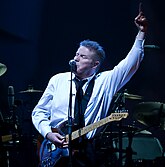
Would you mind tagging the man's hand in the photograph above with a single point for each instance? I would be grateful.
(141, 22)
(57, 139)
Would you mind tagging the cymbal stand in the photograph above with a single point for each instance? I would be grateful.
(129, 151)
(119, 106)
(13, 124)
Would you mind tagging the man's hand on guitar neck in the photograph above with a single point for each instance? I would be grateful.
(57, 139)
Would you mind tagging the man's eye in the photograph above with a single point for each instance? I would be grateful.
(82, 56)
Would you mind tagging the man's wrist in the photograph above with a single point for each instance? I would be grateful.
(48, 135)
(140, 35)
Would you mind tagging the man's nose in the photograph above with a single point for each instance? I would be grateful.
(76, 58)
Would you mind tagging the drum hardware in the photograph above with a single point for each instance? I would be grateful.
(129, 132)
(3, 69)
(119, 106)
(13, 142)
(12, 120)
(150, 114)
(139, 147)
(136, 142)
(6, 129)
(129, 150)
(30, 92)
(110, 144)
(29, 97)
(129, 128)
(7, 138)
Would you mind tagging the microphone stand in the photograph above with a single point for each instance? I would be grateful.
(14, 123)
(70, 119)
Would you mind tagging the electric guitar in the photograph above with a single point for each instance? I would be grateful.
(50, 154)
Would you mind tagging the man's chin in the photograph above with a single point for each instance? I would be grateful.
(79, 75)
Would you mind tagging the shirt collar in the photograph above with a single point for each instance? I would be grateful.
(89, 78)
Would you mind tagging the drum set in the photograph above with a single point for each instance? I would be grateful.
(127, 145)
(18, 137)
(132, 146)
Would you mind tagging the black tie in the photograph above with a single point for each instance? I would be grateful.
(79, 110)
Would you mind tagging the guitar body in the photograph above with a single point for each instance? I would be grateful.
(49, 155)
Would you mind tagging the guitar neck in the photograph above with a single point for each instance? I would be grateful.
(82, 131)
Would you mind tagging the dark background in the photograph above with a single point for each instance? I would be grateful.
(38, 38)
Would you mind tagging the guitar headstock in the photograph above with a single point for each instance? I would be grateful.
(118, 116)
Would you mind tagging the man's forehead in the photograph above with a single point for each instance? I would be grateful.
(84, 50)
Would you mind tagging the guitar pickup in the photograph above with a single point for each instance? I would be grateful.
(51, 147)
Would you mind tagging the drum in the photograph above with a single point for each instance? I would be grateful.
(145, 148)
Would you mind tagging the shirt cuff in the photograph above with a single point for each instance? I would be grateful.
(140, 35)
(45, 131)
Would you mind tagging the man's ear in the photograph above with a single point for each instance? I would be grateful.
(96, 64)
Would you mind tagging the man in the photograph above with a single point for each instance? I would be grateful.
(52, 109)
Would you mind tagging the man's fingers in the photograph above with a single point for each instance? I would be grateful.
(140, 7)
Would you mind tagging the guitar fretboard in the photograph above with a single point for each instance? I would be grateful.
(88, 128)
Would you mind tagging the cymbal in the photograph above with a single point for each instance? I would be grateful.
(131, 96)
(31, 91)
(3, 69)
(150, 114)
(128, 128)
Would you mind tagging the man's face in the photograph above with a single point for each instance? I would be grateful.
(85, 61)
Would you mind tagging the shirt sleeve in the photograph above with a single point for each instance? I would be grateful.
(41, 112)
(126, 68)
